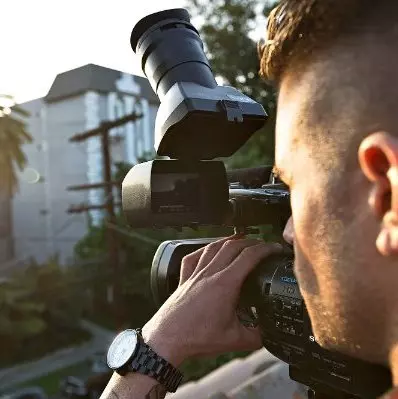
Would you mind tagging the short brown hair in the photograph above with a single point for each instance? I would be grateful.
(299, 28)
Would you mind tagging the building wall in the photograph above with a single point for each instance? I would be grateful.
(42, 226)
(67, 167)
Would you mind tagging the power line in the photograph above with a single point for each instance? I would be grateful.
(103, 131)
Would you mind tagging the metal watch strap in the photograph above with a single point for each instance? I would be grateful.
(148, 362)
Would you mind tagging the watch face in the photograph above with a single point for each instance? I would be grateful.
(122, 349)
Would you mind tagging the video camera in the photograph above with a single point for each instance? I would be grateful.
(197, 122)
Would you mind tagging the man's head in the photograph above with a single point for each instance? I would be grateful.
(336, 66)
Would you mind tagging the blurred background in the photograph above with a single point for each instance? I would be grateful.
(72, 273)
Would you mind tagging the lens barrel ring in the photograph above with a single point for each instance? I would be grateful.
(147, 22)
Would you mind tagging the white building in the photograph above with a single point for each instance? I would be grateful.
(78, 100)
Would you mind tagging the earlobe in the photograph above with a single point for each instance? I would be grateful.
(378, 158)
(387, 241)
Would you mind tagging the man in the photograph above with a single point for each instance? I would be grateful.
(336, 66)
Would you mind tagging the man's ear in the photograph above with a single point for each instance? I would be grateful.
(378, 157)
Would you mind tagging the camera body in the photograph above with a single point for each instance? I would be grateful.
(271, 299)
(197, 122)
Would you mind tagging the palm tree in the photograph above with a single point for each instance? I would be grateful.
(13, 135)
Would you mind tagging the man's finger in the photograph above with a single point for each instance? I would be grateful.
(250, 339)
(227, 253)
(189, 264)
(248, 259)
(211, 250)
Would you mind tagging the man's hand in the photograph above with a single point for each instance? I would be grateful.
(200, 317)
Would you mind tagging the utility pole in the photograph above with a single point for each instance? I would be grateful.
(107, 185)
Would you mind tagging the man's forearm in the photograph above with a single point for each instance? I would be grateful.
(133, 386)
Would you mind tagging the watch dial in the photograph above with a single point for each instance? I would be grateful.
(122, 349)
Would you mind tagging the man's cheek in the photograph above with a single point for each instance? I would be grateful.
(305, 274)
(306, 220)
(302, 218)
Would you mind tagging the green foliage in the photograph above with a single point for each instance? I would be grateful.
(13, 135)
(56, 287)
(20, 317)
(92, 244)
(231, 52)
(41, 308)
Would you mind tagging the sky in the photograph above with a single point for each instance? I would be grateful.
(41, 38)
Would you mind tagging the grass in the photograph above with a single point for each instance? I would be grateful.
(50, 382)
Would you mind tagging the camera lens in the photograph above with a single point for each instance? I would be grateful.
(171, 51)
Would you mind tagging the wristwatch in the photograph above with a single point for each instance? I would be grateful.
(129, 353)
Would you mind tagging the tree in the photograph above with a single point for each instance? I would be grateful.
(232, 53)
(21, 318)
(13, 136)
(41, 308)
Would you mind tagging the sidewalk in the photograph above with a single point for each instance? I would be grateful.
(101, 338)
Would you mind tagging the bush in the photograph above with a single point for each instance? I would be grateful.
(40, 313)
